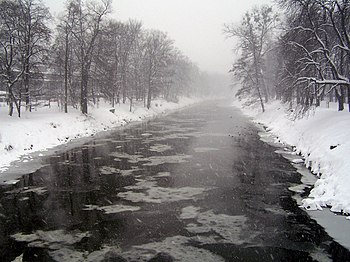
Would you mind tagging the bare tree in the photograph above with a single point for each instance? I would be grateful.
(254, 35)
(63, 47)
(179, 76)
(35, 36)
(24, 36)
(131, 33)
(320, 33)
(89, 19)
(11, 52)
(158, 50)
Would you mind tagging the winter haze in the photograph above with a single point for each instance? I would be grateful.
(174, 130)
(195, 25)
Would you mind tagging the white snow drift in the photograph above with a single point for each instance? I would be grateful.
(323, 140)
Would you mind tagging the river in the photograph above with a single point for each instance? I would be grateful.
(195, 185)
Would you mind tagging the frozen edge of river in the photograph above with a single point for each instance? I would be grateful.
(321, 137)
(335, 225)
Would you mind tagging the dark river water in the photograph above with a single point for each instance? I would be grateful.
(196, 185)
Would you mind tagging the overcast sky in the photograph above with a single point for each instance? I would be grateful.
(195, 25)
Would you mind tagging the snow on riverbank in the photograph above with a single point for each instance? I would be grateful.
(49, 127)
(323, 139)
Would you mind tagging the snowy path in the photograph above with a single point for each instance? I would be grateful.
(196, 185)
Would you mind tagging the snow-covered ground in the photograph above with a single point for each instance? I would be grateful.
(322, 137)
(45, 128)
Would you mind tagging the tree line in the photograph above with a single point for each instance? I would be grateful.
(86, 57)
(300, 55)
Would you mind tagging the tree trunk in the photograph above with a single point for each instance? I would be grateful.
(130, 105)
(298, 96)
(266, 94)
(124, 86)
(342, 93)
(340, 98)
(113, 98)
(66, 59)
(10, 107)
(84, 93)
(149, 95)
(26, 86)
(118, 97)
(144, 95)
(261, 100)
(257, 78)
(318, 102)
(93, 83)
(17, 104)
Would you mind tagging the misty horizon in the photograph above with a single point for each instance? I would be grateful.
(183, 22)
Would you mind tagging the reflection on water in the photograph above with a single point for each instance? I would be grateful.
(195, 185)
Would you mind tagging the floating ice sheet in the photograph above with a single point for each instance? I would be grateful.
(174, 159)
(228, 228)
(189, 212)
(177, 246)
(160, 148)
(108, 170)
(112, 209)
(163, 174)
(162, 194)
(52, 239)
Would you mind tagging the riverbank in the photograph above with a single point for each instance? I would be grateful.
(45, 127)
(322, 138)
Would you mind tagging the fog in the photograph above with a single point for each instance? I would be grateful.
(195, 25)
